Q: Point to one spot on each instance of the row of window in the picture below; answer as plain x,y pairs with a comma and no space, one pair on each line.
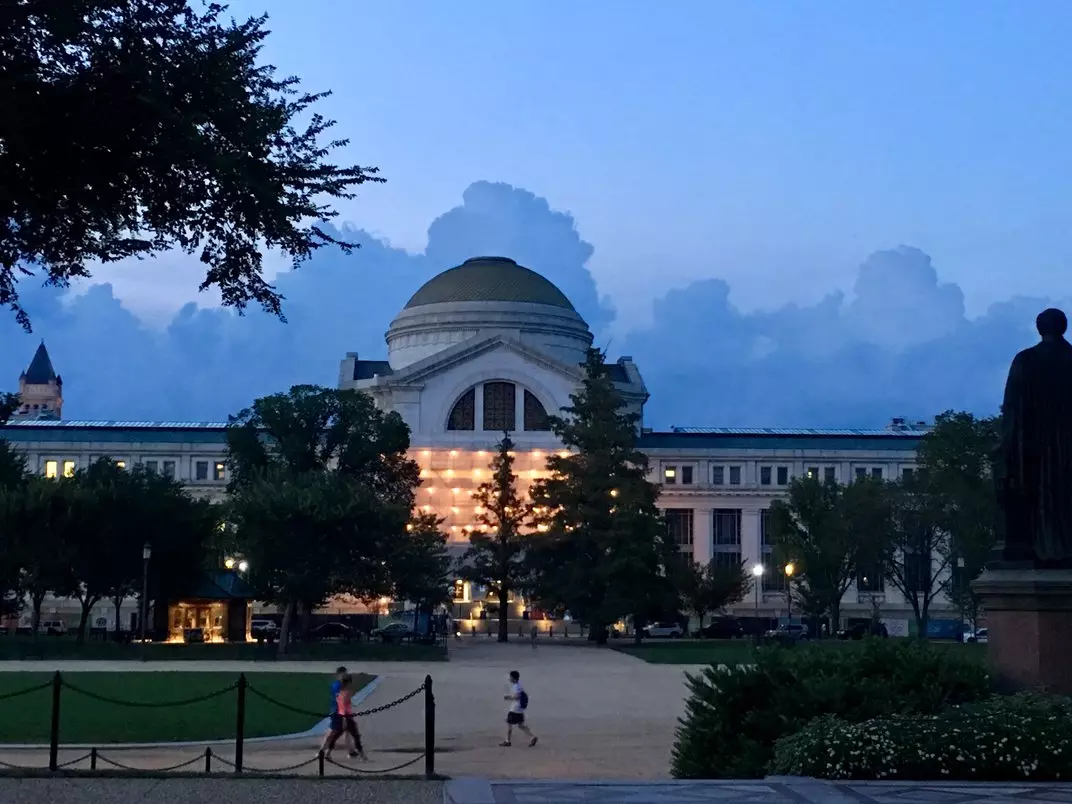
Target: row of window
683,474
499,409
203,471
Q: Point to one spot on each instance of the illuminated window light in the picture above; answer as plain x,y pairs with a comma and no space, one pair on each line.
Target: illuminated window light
541,528
427,509
52,469
534,472
455,490
454,453
477,473
68,468
121,464
425,473
430,489
426,452
512,454
450,473
454,528
537,454
563,454
455,509
481,453
670,472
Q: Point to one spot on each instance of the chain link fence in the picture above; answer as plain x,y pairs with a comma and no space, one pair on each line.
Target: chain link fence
209,761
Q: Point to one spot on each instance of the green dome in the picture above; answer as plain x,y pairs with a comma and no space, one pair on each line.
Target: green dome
492,279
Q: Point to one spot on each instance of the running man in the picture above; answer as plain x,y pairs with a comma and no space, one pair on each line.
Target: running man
515,716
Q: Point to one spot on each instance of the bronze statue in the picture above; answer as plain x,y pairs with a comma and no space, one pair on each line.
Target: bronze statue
1036,450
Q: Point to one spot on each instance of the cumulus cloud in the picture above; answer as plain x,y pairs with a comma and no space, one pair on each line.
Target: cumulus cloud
898,344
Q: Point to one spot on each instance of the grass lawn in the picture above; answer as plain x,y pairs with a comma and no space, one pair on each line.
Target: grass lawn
83,719
739,651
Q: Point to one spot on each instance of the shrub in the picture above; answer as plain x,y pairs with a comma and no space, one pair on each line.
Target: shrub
734,715
1018,738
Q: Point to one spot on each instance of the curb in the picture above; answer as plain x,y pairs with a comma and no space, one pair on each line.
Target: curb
315,731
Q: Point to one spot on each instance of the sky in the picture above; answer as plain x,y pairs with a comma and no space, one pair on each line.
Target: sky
789,214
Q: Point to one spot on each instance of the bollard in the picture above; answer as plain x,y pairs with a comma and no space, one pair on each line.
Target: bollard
54,730
240,723
92,759
429,729
320,763
208,759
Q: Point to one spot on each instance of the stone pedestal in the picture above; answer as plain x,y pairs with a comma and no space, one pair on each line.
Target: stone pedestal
1029,618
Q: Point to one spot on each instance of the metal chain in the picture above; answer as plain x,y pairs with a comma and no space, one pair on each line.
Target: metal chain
18,693
71,762
121,766
20,767
250,769
310,713
352,769
149,704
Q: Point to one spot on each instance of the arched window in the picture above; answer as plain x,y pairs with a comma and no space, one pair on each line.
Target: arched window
500,406
463,414
535,414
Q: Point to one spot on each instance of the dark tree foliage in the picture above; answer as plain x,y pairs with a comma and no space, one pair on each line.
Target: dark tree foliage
129,127
601,550
709,588
420,567
495,555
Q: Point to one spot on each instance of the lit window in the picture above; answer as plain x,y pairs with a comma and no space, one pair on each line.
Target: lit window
427,509
425,473
68,468
476,473
430,489
218,471
455,490
121,464
670,474
450,473
813,472
52,469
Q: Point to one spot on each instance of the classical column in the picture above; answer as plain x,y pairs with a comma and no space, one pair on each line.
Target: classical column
702,536
751,549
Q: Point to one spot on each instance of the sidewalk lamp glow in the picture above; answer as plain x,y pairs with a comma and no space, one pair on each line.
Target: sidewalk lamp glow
243,566
790,569
758,570
228,563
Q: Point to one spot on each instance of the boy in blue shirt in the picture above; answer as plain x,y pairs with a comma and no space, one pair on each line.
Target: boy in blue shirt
335,724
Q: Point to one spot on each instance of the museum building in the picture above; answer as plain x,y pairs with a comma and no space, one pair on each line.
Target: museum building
489,346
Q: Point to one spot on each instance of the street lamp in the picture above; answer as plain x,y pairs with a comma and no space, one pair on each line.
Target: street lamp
146,554
228,563
789,570
757,573
243,566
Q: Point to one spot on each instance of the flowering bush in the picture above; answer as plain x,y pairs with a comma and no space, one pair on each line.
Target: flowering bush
735,715
1016,738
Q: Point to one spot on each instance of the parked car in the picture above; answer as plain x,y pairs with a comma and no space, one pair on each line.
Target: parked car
860,630
264,630
52,627
393,632
788,633
332,632
191,635
979,635
656,630
721,628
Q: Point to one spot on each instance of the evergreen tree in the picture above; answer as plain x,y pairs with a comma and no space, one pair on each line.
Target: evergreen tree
602,550
495,555
420,570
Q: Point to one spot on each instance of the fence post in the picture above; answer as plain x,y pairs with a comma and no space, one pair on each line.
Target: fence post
320,763
54,731
92,759
208,759
429,729
240,723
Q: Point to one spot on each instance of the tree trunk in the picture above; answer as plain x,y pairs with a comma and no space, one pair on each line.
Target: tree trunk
504,612
87,604
288,623
37,599
118,602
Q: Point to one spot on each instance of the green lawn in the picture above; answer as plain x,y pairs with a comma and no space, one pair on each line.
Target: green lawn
739,651
83,719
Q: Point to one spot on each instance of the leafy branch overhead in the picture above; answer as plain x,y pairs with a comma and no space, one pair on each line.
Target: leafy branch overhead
130,127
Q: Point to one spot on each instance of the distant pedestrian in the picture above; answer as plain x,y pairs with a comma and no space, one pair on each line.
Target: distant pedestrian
535,634
515,716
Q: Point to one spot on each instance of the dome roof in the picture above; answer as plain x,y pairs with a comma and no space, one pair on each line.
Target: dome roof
492,279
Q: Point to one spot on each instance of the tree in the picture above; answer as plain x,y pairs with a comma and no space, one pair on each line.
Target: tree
311,430
601,550
420,569
311,535
201,146
713,587
38,517
828,532
12,464
495,555
957,456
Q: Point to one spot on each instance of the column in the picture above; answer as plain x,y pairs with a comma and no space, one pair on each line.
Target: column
751,549
702,536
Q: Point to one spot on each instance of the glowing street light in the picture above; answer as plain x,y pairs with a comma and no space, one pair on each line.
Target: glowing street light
757,573
228,563
243,566
789,570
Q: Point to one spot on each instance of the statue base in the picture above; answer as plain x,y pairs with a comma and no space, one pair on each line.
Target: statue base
1029,619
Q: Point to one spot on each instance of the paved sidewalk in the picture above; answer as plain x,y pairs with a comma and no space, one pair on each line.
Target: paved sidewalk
769,791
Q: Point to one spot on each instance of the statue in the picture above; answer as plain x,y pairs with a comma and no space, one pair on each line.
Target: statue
1035,470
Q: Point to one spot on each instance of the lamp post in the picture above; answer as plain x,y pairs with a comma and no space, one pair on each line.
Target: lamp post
146,554
789,570
757,573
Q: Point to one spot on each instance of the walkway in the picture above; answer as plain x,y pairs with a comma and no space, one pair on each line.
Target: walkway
599,714
771,791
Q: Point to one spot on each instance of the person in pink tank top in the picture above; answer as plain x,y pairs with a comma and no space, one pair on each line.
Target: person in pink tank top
345,706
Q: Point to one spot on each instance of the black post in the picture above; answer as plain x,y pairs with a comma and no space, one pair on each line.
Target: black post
240,723
92,758
320,763
208,759
54,732
429,729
